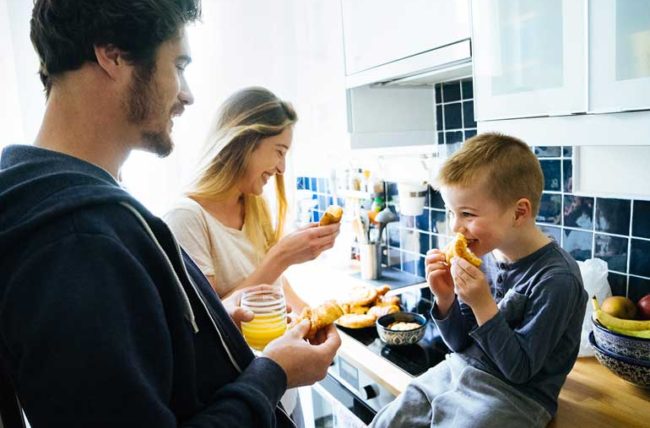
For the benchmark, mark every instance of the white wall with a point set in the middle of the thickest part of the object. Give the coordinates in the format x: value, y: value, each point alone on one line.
x: 292, y: 47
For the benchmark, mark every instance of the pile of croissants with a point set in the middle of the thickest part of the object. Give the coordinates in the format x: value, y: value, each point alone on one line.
x: 360, y: 308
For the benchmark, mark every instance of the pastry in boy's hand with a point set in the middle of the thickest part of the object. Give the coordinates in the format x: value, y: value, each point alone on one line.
x: 321, y: 316
x: 332, y: 215
x: 458, y: 248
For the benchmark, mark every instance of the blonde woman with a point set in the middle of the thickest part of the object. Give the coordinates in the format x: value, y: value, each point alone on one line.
x: 225, y: 223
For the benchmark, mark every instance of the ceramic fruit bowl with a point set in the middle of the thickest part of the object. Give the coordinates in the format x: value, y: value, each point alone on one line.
x: 636, y: 348
x: 401, y: 328
x: 636, y: 372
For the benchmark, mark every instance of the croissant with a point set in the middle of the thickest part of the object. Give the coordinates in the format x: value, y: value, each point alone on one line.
x: 320, y: 316
x: 383, y: 309
x: 332, y: 215
x: 458, y: 248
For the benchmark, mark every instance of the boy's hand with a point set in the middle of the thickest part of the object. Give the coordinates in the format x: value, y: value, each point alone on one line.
x: 439, y: 279
x: 473, y: 289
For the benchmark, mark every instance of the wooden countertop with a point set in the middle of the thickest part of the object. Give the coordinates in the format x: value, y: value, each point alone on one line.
x: 592, y: 397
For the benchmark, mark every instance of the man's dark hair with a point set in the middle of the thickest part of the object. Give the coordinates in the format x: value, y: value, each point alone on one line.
x: 65, y: 32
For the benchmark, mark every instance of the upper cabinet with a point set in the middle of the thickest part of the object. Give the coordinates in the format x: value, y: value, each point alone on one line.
x: 378, y: 32
x: 619, y: 55
x: 528, y: 57
x: 560, y: 57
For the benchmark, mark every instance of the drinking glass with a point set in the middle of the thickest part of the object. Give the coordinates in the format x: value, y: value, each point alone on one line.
x: 270, y: 321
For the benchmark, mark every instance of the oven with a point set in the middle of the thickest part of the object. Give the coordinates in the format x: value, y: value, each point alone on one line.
x: 347, y: 397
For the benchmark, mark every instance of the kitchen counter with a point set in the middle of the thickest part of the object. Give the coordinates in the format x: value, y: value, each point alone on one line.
x: 591, y: 397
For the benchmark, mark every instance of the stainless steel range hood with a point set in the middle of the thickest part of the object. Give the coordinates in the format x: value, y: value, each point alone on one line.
x: 448, y: 62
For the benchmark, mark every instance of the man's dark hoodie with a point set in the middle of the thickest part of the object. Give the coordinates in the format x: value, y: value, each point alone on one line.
x: 104, y: 321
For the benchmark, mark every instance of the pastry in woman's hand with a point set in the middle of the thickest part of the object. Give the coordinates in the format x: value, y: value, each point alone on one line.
x: 332, y: 215
x: 458, y: 248
x: 321, y: 316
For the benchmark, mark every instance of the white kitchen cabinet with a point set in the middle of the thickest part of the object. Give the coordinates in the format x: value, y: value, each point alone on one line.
x: 528, y: 58
x: 378, y: 32
x: 619, y: 55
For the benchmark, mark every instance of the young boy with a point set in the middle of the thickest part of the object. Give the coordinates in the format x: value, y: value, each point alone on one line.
x: 514, y: 323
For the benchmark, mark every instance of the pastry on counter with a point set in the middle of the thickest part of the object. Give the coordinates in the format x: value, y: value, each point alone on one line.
x: 357, y: 320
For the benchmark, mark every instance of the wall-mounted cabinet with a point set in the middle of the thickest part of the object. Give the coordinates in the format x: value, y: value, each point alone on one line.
x: 556, y: 66
x: 528, y: 58
x: 378, y: 32
x: 619, y: 55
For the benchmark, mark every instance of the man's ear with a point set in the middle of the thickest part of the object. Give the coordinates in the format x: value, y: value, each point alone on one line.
x: 110, y: 59
x: 523, y: 210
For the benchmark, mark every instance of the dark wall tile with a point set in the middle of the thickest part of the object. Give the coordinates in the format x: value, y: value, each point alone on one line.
x: 394, y: 258
x: 613, y: 215
x: 552, y: 174
x: 436, y: 200
x: 554, y: 232
x: 441, y: 138
x: 638, y: 288
x: 547, y: 151
x: 567, y: 151
x: 451, y: 91
x: 467, y: 88
x: 422, y: 221
x: 640, y: 257
x: 579, y: 212
x: 578, y: 243
x: 567, y: 181
x: 425, y: 242
x: 438, y: 89
x: 550, y: 209
x: 613, y: 250
x: 618, y: 284
x: 453, y: 116
x: 470, y: 133
x: 641, y: 220
x: 393, y: 235
x: 453, y: 137
x: 439, y: 122
x: 438, y: 221
x: 468, y: 114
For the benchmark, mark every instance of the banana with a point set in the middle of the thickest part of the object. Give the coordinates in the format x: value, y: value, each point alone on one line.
x: 614, y: 323
x: 644, y: 334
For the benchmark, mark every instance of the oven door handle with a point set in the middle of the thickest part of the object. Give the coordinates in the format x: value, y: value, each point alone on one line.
x: 328, y: 388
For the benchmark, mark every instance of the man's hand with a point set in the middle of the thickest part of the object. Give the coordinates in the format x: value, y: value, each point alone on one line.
x: 304, y: 363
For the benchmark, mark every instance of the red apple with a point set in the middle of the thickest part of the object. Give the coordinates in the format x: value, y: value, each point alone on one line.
x: 643, y: 307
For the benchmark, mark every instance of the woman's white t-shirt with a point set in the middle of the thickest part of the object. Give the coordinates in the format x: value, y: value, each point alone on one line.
x: 220, y: 251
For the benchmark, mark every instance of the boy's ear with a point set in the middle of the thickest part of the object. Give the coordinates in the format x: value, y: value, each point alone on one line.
x: 110, y: 59
x: 523, y: 210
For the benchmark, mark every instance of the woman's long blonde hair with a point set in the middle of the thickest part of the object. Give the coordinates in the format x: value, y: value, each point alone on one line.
x: 244, y: 119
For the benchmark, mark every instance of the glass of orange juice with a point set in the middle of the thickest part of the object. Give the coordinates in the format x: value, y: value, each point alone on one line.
x: 270, y: 309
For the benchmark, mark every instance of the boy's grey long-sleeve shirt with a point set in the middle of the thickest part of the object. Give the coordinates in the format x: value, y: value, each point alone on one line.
x: 533, y: 341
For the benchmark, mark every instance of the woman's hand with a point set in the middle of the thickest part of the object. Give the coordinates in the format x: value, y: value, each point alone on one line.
x: 439, y: 279
x: 304, y: 244
x: 472, y: 287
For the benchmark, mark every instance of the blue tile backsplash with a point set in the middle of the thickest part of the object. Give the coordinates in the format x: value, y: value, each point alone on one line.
x: 613, y: 229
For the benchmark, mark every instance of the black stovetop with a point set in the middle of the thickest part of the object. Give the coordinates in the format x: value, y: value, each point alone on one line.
x: 413, y: 359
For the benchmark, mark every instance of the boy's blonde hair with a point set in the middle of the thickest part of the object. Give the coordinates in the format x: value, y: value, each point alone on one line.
x: 510, y: 169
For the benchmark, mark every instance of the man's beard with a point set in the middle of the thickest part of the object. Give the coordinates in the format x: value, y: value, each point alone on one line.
x: 142, y: 105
